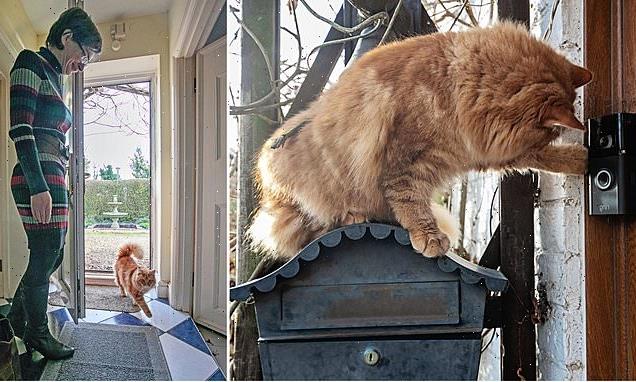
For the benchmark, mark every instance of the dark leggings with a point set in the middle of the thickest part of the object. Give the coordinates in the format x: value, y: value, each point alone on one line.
x: 41, y: 266
x: 46, y: 255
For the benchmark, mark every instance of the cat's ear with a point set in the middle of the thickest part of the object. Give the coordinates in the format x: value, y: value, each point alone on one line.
x: 580, y: 76
x: 561, y: 116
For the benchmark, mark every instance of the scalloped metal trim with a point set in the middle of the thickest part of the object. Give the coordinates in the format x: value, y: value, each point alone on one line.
x: 470, y: 273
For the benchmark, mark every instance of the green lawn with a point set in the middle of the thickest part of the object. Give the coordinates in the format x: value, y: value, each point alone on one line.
x: 101, y: 247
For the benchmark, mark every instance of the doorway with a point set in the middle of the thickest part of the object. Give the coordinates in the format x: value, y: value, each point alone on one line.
x: 116, y: 148
x: 117, y: 173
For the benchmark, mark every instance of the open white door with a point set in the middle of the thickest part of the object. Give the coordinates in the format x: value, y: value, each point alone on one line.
x: 210, y: 266
x: 73, y: 276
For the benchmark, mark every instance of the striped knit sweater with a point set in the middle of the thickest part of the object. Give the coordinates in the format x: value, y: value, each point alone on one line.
x: 37, y: 108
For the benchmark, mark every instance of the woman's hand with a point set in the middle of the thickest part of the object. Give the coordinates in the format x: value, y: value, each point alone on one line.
x: 41, y: 205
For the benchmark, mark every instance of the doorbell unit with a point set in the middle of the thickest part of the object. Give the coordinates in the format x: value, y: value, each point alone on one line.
x: 611, y: 143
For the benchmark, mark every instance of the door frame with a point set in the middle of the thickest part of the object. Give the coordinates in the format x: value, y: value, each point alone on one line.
x: 146, y: 75
x: 195, y: 27
x: 150, y: 77
x: 200, y: 244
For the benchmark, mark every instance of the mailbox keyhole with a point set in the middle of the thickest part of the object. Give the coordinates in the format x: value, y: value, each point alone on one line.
x: 371, y: 357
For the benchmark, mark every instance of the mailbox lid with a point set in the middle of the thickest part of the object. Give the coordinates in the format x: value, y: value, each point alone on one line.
x: 398, y: 359
x: 370, y: 305
x: 317, y: 320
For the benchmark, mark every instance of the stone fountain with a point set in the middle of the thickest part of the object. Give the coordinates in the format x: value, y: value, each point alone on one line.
x: 115, y: 214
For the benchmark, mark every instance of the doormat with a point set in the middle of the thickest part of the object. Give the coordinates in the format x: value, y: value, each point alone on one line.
x: 99, y: 297
x: 109, y: 352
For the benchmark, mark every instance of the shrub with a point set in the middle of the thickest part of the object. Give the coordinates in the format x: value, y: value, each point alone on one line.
x: 133, y: 193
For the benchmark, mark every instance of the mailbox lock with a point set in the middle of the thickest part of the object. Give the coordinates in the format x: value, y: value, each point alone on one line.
x: 371, y: 357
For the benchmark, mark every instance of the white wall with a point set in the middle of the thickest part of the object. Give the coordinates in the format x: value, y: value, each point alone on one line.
x: 559, y: 233
x: 16, y: 33
x: 559, y: 248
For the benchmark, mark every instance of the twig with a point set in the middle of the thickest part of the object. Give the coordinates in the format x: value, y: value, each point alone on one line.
x: 548, y: 30
x: 494, y: 332
x: 459, y: 14
x: 471, y: 15
x: 346, y: 30
x: 492, y: 205
x: 260, y: 46
x: 246, y: 110
x: 343, y: 40
x: 300, y: 50
x: 393, y: 18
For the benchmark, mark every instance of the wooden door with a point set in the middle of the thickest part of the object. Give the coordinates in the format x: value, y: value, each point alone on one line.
x: 210, y: 270
x: 610, y: 242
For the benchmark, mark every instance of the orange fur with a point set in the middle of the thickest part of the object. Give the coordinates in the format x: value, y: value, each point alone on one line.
x: 403, y: 121
x: 132, y: 278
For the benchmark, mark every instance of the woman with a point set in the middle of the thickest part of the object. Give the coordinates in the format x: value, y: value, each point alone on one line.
x: 39, y: 121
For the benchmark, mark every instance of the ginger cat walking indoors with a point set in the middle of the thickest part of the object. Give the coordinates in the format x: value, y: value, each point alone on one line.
x: 133, y: 279
x: 407, y: 118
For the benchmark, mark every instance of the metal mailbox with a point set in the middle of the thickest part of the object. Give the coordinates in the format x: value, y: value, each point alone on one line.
x: 359, y: 304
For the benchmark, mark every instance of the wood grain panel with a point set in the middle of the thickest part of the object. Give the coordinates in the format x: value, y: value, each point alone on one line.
x: 599, y: 276
x: 627, y: 268
x: 610, y: 242
x: 628, y: 72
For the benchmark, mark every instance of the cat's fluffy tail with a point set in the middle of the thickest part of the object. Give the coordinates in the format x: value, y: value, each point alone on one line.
x: 280, y: 230
x: 130, y: 249
x: 446, y: 222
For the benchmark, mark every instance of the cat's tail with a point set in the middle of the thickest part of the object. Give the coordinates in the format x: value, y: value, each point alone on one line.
x: 130, y: 249
x: 446, y: 222
x: 279, y: 230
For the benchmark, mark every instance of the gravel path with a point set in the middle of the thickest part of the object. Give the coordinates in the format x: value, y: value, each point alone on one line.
x: 101, y: 246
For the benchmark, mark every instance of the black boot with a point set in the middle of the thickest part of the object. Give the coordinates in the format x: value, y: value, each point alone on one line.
x: 37, y: 335
x: 16, y: 315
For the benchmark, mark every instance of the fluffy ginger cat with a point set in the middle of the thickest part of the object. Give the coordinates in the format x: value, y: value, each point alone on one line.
x: 404, y: 120
x: 133, y: 279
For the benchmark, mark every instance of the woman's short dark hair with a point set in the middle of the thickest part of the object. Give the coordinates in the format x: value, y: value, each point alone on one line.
x: 84, y: 30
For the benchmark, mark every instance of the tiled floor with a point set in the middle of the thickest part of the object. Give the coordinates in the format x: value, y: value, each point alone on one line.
x: 217, y: 343
x: 187, y: 354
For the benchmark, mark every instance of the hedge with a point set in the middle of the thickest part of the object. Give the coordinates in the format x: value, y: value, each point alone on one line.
x: 133, y: 193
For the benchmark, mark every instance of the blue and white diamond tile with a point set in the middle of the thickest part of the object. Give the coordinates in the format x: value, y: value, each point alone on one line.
x: 164, y: 300
x: 217, y: 376
x: 163, y: 316
x: 152, y: 293
x: 188, y: 333
x: 57, y: 318
x: 96, y: 315
x: 52, y: 308
x: 125, y: 319
x: 186, y: 362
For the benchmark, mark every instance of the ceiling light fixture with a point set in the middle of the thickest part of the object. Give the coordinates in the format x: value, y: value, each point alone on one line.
x: 117, y: 35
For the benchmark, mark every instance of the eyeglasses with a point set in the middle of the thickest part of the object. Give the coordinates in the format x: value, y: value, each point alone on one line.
x: 86, y: 55
x: 85, y: 59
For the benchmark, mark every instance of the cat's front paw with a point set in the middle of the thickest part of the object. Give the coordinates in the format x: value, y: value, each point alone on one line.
x: 148, y: 314
x: 566, y: 159
x: 430, y: 245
